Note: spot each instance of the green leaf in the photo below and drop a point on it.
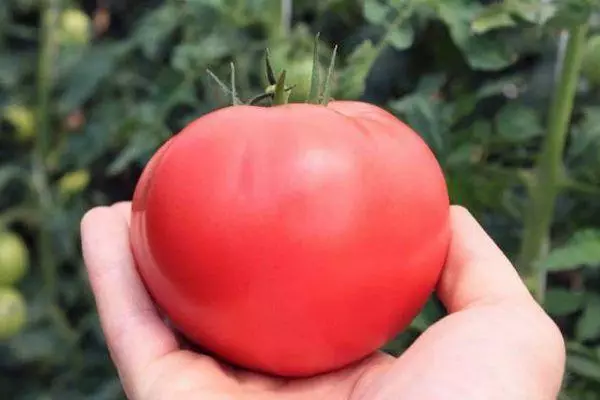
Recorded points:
(588, 326)
(402, 37)
(582, 250)
(375, 11)
(37, 345)
(498, 86)
(518, 123)
(571, 13)
(586, 133)
(465, 154)
(13, 67)
(352, 77)
(562, 302)
(586, 367)
(482, 52)
(139, 148)
(492, 18)
(426, 116)
(189, 58)
(488, 54)
(430, 314)
(96, 65)
(11, 172)
(156, 27)
(457, 15)
(533, 11)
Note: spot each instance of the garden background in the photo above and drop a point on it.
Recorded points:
(506, 93)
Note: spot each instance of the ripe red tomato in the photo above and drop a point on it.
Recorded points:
(295, 239)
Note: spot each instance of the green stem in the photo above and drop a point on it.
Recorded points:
(547, 182)
(285, 12)
(21, 214)
(581, 187)
(400, 18)
(48, 52)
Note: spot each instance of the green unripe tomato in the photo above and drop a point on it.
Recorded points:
(73, 182)
(14, 258)
(13, 312)
(299, 74)
(74, 27)
(22, 120)
(591, 61)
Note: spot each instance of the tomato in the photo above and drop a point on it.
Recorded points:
(14, 258)
(13, 312)
(295, 239)
(73, 182)
(74, 27)
(298, 74)
(22, 119)
(591, 61)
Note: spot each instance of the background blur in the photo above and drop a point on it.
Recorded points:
(90, 88)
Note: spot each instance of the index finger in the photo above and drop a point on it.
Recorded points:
(477, 271)
(135, 333)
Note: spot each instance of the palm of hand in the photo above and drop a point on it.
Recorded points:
(479, 351)
(187, 375)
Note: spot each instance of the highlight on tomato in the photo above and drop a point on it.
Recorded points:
(291, 238)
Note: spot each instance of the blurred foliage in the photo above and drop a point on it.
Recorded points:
(89, 89)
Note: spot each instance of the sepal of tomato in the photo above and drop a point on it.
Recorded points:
(292, 240)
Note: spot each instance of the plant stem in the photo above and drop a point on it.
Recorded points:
(286, 16)
(48, 51)
(547, 182)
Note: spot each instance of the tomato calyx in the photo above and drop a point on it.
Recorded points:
(277, 93)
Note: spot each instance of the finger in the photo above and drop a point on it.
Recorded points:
(476, 270)
(496, 343)
(123, 208)
(135, 334)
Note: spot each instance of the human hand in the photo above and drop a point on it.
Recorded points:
(496, 342)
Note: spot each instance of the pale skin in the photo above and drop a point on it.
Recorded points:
(496, 342)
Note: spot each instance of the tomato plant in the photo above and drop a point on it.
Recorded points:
(13, 312)
(13, 258)
(591, 60)
(475, 81)
(269, 234)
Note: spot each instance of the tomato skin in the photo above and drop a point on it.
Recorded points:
(292, 240)
(22, 119)
(74, 27)
(14, 258)
(13, 313)
(73, 182)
